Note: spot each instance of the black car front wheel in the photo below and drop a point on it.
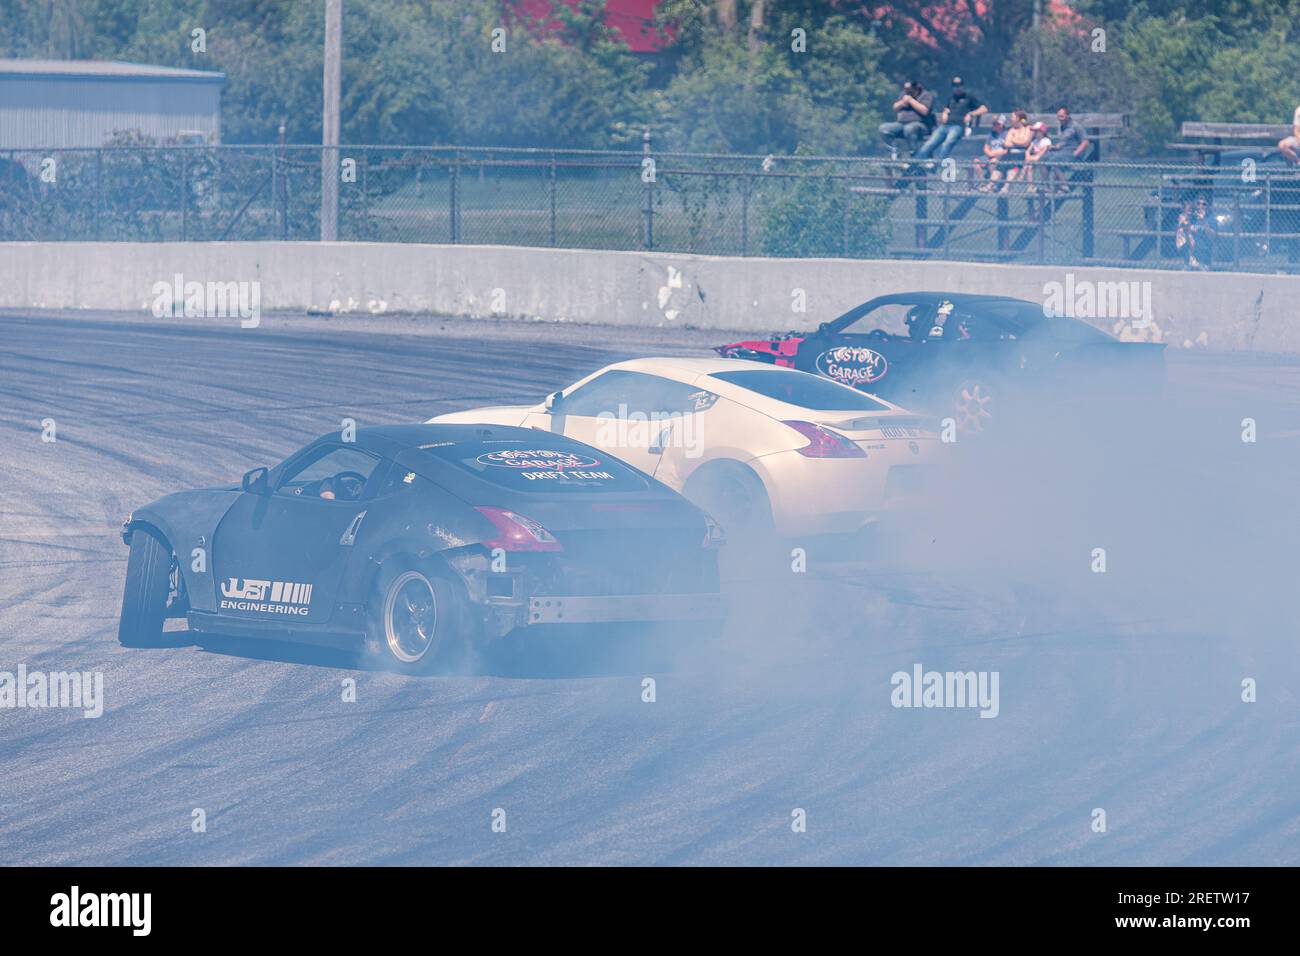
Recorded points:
(144, 597)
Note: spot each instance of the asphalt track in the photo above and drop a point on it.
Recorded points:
(1120, 692)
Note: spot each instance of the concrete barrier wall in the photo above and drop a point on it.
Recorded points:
(1220, 311)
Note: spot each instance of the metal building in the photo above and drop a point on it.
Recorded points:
(47, 104)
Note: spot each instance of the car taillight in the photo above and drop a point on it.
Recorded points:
(824, 443)
(714, 536)
(515, 532)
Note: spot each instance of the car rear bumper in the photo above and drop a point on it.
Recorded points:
(841, 496)
(625, 608)
(555, 589)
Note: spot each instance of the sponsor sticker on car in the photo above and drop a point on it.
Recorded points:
(537, 458)
(266, 597)
(852, 365)
(518, 465)
(897, 431)
(546, 464)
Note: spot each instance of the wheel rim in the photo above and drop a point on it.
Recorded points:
(973, 407)
(729, 500)
(410, 617)
(737, 500)
(175, 583)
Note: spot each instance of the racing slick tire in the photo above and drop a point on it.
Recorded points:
(144, 596)
(735, 497)
(418, 620)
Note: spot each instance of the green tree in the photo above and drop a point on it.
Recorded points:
(763, 89)
(1256, 83)
(813, 213)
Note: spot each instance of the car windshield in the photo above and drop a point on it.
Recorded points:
(802, 389)
(542, 465)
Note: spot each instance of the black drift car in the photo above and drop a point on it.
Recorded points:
(416, 540)
(973, 357)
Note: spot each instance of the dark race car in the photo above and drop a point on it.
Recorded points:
(415, 540)
(964, 355)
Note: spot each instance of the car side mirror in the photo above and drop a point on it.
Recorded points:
(255, 481)
(554, 400)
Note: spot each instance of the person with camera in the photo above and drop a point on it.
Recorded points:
(914, 117)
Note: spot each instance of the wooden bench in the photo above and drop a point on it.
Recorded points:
(1225, 137)
(1138, 243)
(913, 252)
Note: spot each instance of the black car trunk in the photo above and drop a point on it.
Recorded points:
(626, 547)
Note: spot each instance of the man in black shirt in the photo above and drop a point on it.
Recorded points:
(914, 117)
(954, 122)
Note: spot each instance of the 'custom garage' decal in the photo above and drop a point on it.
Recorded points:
(852, 365)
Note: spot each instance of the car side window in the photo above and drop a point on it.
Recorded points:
(334, 473)
(618, 394)
(398, 478)
(964, 326)
(654, 396)
(603, 393)
(891, 318)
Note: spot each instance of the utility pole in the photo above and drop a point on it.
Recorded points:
(329, 154)
(1036, 105)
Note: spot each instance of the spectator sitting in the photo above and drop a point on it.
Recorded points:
(1039, 143)
(1290, 146)
(1038, 148)
(954, 122)
(1069, 145)
(1192, 224)
(995, 147)
(914, 118)
(1016, 143)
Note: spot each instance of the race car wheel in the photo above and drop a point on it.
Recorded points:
(973, 406)
(735, 497)
(410, 617)
(144, 597)
(419, 619)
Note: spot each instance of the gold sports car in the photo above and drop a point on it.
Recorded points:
(758, 446)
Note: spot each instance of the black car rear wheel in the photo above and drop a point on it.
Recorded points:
(419, 619)
(411, 617)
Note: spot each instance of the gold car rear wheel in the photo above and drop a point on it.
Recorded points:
(973, 406)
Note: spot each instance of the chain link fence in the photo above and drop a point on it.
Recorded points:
(1154, 216)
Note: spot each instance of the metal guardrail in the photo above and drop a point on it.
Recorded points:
(1093, 213)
